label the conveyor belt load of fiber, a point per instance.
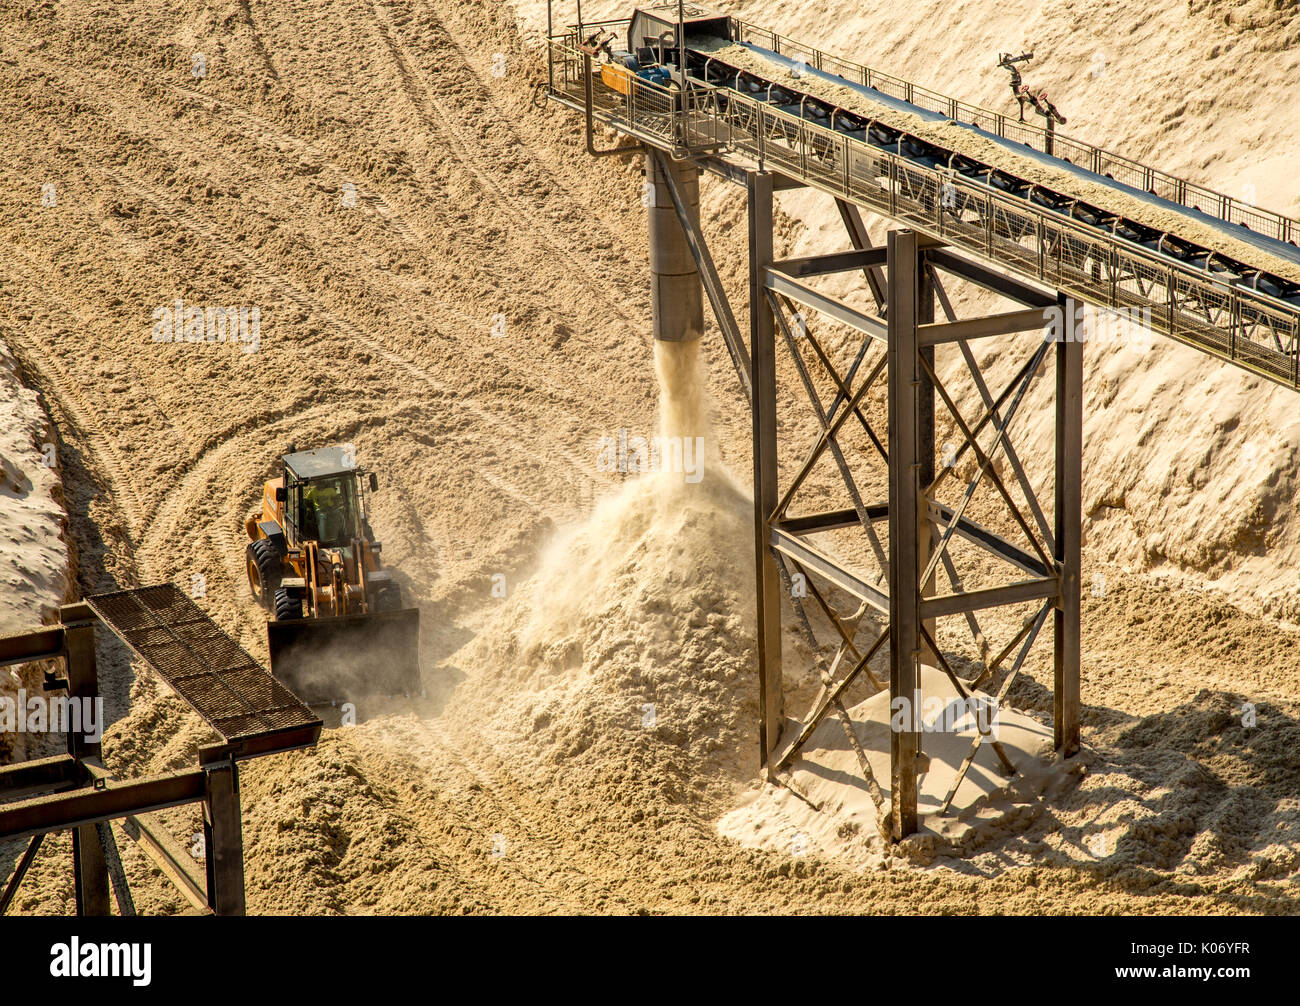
(1200, 267)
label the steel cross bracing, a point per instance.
(896, 601)
(1191, 300)
(876, 588)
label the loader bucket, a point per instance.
(337, 659)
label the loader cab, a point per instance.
(325, 497)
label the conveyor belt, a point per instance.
(1029, 136)
(207, 668)
(782, 92)
(1225, 305)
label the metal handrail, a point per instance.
(1118, 273)
(1066, 148)
(1013, 204)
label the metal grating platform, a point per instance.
(207, 668)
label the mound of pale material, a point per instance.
(33, 573)
(639, 620)
(33, 555)
(1206, 788)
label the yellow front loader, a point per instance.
(337, 628)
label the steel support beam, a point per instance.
(82, 678)
(824, 566)
(38, 774)
(806, 296)
(89, 872)
(989, 279)
(766, 495)
(295, 738)
(89, 865)
(905, 502)
(20, 871)
(175, 863)
(990, 541)
(25, 647)
(829, 264)
(86, 807)
(1069, 526)
(116, 872)
(830, 697)
(861, 240)
(730, 170)
(967, 529)
(223, 837)
(1029, 320)
(831, 521)
(988, 597)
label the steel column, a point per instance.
(89, 872)
(1069, 526)
(83, 680)
(224, 840)
(905, 523)
(925, 301)
(89, 865)
(762, 333)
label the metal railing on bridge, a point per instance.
(1249, 328)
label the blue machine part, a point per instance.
(660, 75)
(654, 73)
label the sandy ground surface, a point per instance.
(448, 282)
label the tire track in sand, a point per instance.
(533, 835)
(579, 465)
(422, 96)
(172, 210)
(63, 392)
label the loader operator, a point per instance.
(324, 513)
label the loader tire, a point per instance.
(265, 568)
(388, 598)
(286, 605)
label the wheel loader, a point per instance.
(337, 628)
